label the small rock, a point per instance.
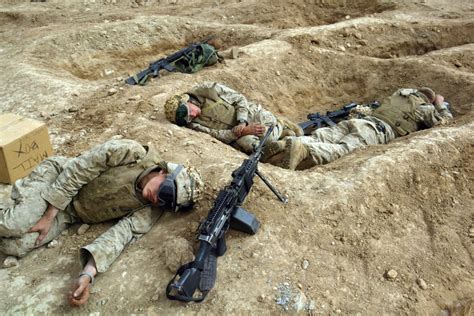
(102, 302)
(278, 73)
(471, 232)
(189, 143)
(73, 109)
(422, 284)
(10, 261)
(348, 17)
(76, 94)
(135, 97)
(119, 79)
(363, 42)
(45, 115)
(341, 48)
(169, 133)
(391, 274)
(64, 232)
(152, 117)
(53, 244)
(177, 251)
(108, 72)
(117, 137)
(305, 264)
(82, 229)
(112, 91)
(155, 297)
(234, 53)
(458, 64)
(261, 298)
(358, 35)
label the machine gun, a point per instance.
(331, 118)
(187, 55)
(200, 274)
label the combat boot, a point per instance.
(295, 153)
(272, 149)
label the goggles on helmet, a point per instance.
(167, 193)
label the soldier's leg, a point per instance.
(19, 247)
(247, 143)
(362, 133)
(28, 206)
(319, 153)
(268, 119)
(350, 135)
(331, 135)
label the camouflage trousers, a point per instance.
(26, 207)
(249, 142)
(330, 143)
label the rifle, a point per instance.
(165, 63)
(226, 212)
(316, 120)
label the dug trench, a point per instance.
(403, 207)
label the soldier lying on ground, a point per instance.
(227, 115)
(118, 179)
(406, 111)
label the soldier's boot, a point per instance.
(295, 153)
(272, 149)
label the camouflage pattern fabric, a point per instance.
(57, 180)
(330, 143)
(244, 109)
(28, 207)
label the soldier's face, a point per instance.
(194, 110)
(151, 185)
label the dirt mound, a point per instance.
(387, 229)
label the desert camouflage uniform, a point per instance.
(330, 143)
(244, 110)
(58, 180)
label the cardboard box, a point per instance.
(24, 143)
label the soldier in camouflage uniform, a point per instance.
(118, 179)
(406, 111)
(217, 110)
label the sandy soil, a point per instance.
(407, 206)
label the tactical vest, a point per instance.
(215, 112)
(112, 194)
(398, 111)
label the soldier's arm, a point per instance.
(81, 170)
(108, 246)
(225, 135)
(231, 96)
(428, 116)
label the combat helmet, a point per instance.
(176, 109)
(428, 94)
(182, 188)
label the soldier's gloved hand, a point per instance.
(80, 291)
(254, 129)
(237, 130)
